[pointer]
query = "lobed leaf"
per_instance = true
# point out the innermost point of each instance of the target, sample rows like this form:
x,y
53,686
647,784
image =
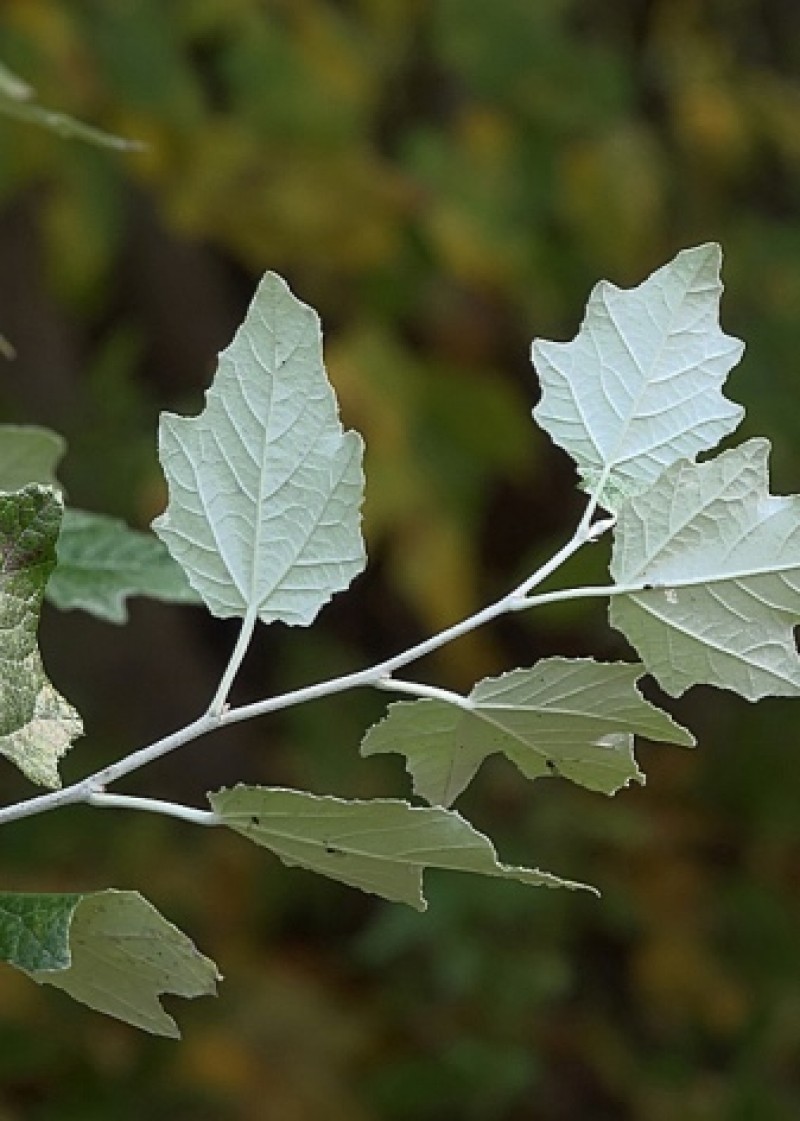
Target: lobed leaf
x,y
37,725
716,559
571,717
265,487
111,950
381,846
640,385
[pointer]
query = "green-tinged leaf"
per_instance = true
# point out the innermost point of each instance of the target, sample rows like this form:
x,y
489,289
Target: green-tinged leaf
x,y
101,561
442,747
34,929
640,385
717,559
110,949
29,455
382,846
575,718
37,745
265,488
37,725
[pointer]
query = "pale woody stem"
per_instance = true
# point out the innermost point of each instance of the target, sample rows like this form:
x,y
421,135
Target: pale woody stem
x,y
237,657
92,791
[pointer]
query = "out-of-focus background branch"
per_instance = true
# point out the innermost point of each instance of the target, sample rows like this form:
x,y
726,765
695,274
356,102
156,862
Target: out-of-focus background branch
x,y
442,181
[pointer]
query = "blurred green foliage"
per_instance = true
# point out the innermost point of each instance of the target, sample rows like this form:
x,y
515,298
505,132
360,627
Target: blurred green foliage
x,y
442,181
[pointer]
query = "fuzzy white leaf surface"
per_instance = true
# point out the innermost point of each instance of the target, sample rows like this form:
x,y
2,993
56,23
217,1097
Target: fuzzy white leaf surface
x,y
265,487
37,724
571,717
640,386
717,558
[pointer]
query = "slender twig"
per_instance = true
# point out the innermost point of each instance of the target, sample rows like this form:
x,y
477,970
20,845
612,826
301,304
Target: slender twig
x,y
81,791
91,790
379,673
607,591
66,127
153,805
237,657
417,689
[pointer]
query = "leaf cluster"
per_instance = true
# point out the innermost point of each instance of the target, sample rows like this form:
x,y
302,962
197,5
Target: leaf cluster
x,y
263,523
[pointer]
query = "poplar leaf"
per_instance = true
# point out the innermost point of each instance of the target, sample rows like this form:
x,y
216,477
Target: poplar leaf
x,y
37,725
716,558
574,718
265,487
381,846
111,950
639,387
102,561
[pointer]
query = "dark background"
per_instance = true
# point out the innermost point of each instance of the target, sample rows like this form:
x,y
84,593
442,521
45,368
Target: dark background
x,y
442,181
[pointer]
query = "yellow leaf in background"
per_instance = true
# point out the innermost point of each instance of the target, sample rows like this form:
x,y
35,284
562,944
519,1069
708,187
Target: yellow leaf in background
x,y
378,391
487,134
45,23
81,225
291,1049
434,566
775,102
156,156
333,49
468,250
281,209
681,982
712,124
612,196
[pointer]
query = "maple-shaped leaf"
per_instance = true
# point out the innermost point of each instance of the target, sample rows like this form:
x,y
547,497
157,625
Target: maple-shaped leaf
x,y
265,487
571,717
713,560
111,950
640,385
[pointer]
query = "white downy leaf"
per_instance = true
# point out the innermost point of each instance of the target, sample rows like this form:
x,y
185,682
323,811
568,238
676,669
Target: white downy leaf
x,y
571,717
641,384
37,725
717,559
264,486
381,846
